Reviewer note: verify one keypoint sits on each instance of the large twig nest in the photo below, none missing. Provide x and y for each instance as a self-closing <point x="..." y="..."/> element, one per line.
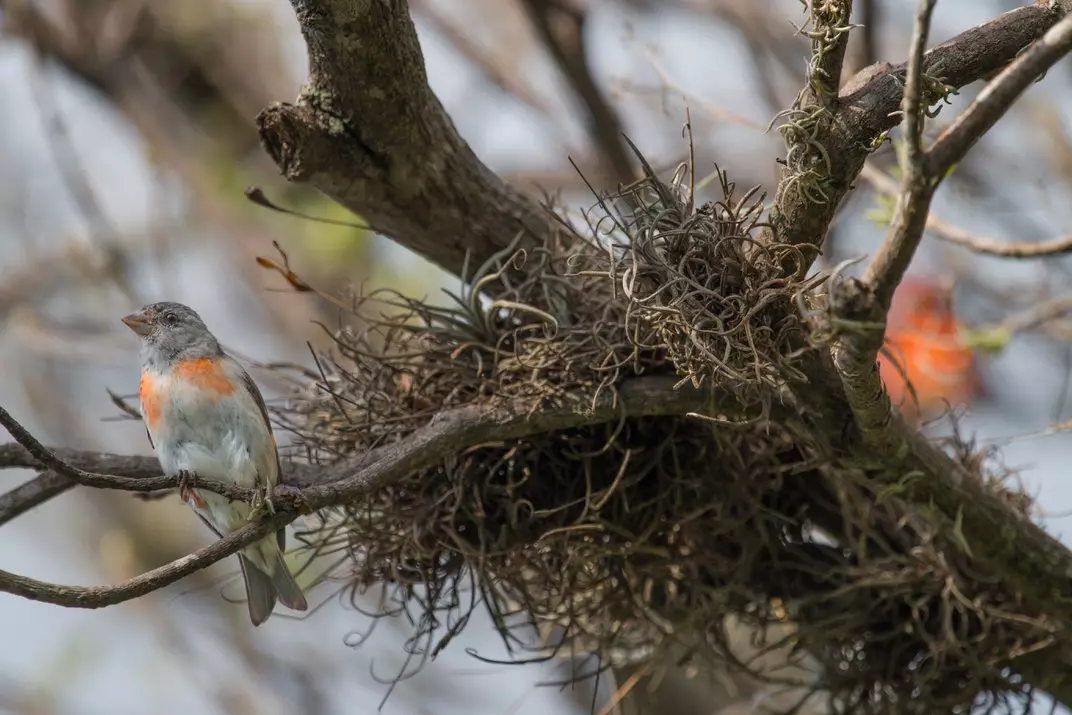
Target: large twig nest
<point x="632" y="536"/>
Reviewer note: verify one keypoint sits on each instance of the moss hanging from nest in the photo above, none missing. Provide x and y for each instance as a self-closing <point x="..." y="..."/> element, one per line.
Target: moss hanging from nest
<point x="641" y="534"/>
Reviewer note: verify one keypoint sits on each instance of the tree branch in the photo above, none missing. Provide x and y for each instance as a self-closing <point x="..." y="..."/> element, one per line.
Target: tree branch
<point x="448" y="433"/>
<point x="859" y="309"/>
<point x="996" y="98"/>
<point x="50" y="461"/>
<point x="917" y="184"/>
<point x="367" y="131"/>
<point x="945" y="231"/>
<point x="924" y="173"/>
<point x="829" y="41"/>
<point x="867" y="108"/>
<point x="101" y="596"/>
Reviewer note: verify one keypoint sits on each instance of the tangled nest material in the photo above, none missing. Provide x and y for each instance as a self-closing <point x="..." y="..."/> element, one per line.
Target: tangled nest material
<point x="630" y="538"/>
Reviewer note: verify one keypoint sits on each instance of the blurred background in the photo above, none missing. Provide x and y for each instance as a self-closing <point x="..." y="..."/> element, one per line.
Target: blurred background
<point x="126" y="142"/>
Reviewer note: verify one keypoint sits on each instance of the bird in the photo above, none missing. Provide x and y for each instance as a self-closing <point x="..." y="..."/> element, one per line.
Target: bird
<point x="205" y="417"/>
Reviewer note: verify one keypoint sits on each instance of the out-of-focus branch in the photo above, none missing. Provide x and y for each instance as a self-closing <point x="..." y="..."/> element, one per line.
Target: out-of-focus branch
<point x="981" y="244"/>
<point x="950" y="233"/>
<point x="448" y="433"/>
<point x="560" y="25"/>
<point x="832" y="145"/>
<point x="368" y="132"/>
<point x="487" y="62"/>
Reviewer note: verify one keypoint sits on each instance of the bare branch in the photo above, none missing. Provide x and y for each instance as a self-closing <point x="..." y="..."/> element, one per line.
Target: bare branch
<point x="560" y="24"/>
<point x="917" y="185"/>
<point x="448" y="433"/>
<point x="101" y="596"/>
<point x="503" y="77"/>
<point x="980" y="244"/>
<point x="367" y="131"/>
<point x="50" y="461"/>
<point x="950" y="233"/>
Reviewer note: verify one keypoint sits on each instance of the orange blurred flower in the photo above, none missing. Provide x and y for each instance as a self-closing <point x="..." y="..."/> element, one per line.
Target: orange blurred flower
<point x="922" y="339"/>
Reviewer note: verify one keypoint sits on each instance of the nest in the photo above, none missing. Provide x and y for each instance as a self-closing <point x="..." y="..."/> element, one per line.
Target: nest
<point x="631" y="538"/>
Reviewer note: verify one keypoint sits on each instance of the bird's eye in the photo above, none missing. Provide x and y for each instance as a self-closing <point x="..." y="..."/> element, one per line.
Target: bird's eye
<point x="170" y="319"/>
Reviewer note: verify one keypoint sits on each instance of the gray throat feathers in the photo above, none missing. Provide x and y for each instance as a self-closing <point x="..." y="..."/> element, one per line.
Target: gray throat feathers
<point x="159" y="356"/>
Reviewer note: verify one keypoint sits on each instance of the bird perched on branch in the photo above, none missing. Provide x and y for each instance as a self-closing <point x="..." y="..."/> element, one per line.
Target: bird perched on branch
<point x="205" y="417"/>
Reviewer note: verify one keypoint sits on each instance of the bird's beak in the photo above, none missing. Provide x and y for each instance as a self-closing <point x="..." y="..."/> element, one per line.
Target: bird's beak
<point x="138" y="322"/>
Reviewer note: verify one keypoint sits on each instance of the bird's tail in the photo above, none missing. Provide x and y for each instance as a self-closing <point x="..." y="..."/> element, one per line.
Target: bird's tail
<point x="263" y="589"/>
<point x="260" y="593"/>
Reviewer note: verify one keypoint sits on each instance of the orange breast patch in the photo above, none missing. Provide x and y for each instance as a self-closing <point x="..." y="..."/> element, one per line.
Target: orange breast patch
<point x="206" y="374"/>
<point x="150" y="400"/>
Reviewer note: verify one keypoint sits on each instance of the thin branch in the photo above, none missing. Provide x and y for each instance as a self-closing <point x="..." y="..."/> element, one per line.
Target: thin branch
<point x="950" y="233"/>
<point x="448" y="433"/>
<point x="50" y="461"/>
<point x="981" y="244"/>
<point x="870" y="19"/>
<point x="101" y="596"/>
<point x="887" y="269"/>
<point x="829" y="40"/>
<point x="913" y="96"/>
<point x="507" y="79"/>
<point x="1038" y="316"/>
<point x="560" y="25"/>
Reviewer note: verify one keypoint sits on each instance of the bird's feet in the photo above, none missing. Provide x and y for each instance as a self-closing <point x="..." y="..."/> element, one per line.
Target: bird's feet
<point x="187" y="482"/>
<point x="261" y="503"/>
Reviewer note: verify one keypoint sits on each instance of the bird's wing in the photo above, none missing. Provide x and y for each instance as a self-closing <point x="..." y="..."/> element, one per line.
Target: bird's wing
<point x="251" y="388"/>
<point x="236" y="372"/>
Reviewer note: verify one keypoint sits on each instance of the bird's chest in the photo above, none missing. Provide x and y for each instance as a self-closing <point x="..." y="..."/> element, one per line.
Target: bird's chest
<point x="194" y="428"/>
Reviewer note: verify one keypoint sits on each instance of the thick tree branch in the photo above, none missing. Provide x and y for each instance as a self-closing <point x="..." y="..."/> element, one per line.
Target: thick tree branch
<point x="867" y="108"/>
<point x="367" y="131"/>
<point x="996" y="98"/>
<point x="448" y="433"/>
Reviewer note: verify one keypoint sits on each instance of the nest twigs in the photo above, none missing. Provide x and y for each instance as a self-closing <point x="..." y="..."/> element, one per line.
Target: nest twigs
<point x="639" y="536"/>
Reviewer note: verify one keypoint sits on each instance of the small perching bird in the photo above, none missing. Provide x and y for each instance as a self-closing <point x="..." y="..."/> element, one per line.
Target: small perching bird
<point x="206" y="418"/>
